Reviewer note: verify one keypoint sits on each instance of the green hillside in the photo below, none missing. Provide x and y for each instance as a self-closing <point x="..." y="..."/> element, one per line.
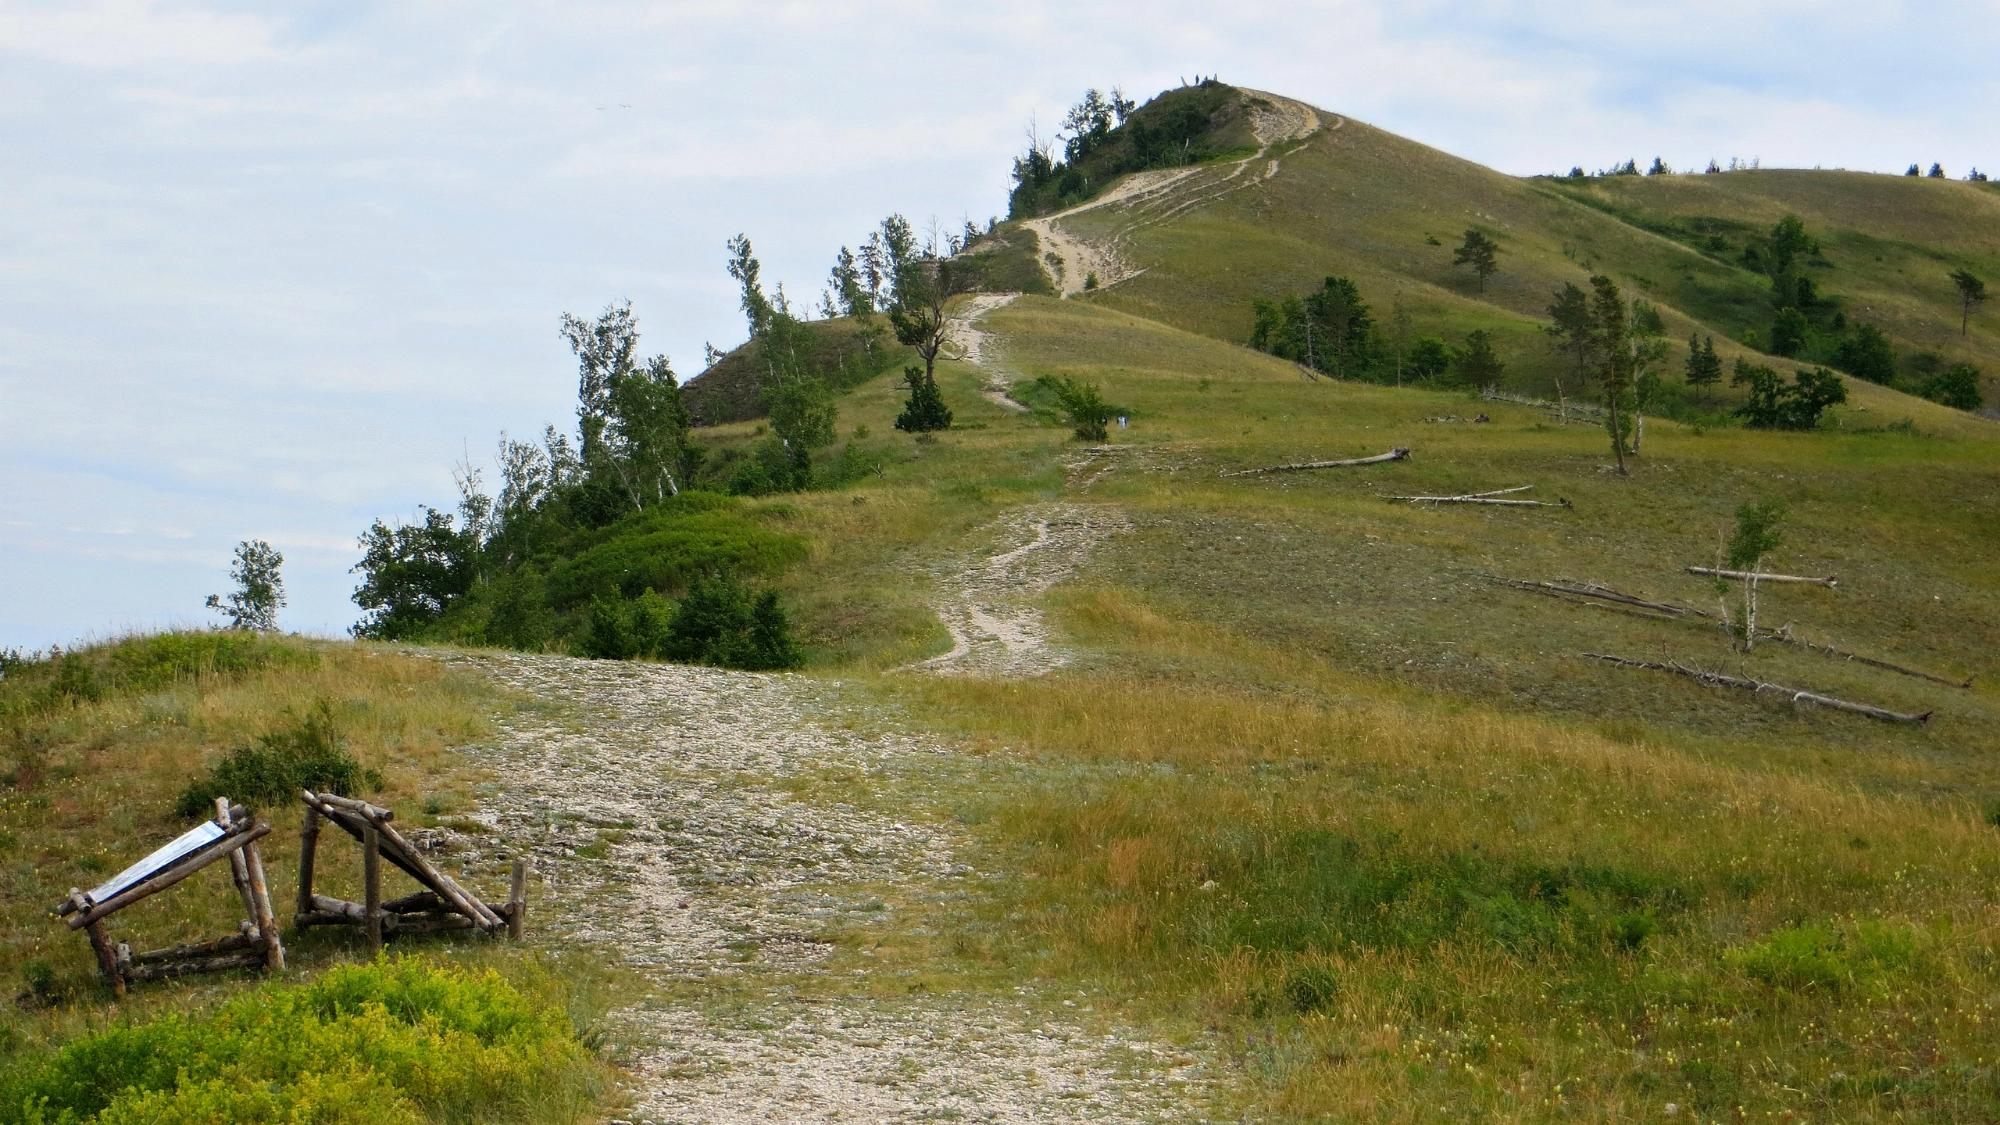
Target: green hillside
<point x="1387" y="212"/>
<point x="1319" y="782"/>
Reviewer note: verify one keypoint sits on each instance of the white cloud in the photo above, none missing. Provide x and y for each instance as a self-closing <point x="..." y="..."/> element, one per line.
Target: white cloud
<point x="115" y="34"/>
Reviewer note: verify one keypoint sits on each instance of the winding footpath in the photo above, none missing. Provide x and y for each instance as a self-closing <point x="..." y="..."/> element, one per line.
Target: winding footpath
<point x="713" y="833"/>
<point x="1148" y="198"/>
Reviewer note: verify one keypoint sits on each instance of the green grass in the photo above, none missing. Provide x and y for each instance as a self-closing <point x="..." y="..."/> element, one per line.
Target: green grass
<point x="394" y="1041"/>
<point x="1319" y="786"/>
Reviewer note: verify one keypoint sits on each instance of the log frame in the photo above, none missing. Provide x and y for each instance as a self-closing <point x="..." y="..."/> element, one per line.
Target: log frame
<point x="256" y="943"/>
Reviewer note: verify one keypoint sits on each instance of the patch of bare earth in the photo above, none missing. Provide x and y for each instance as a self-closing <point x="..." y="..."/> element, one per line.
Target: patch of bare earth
<point x="1145" y="199"/>
<point x="974" y="345"/>
<point x="672" y="815"/>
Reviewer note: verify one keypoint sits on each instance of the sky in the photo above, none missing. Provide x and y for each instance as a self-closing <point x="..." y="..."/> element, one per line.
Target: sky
<point x="272" y="271"/>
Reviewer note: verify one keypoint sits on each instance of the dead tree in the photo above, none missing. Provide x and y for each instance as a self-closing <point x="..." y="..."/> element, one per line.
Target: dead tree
<point x="1829" y="581"/>
<point x="231" y="836"/>
<point x="1797" y="695"/>
<point x="1397" y="454"/>
<point x="1486" y="498"/>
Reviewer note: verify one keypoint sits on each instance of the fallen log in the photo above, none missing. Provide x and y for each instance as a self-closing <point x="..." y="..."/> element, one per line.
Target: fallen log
<point x="162" y="970"/>
<point x="1597" y="593"/>
<point x="1397" y="454"/>
<point x="1485" y="498"/>
<point x="1798" y="695"/>
<point x="1787" y="637"/>
<point x="1667" y="611"/>
<point x="232" y="943"/>
<point x="1829" y="581"/>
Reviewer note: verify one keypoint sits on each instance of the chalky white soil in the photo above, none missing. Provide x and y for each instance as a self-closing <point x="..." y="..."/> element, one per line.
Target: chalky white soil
<point x="662" y="805"/>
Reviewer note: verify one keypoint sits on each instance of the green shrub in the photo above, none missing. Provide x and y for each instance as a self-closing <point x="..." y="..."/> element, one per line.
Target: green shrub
<point x="307" y="754"/>
<point x="666" y="549"/>
<point x="607" y="632"/>
<point x="1311" y="989"/>
<point x="1817" y="957"/>
<point x="721" y="622"/>
<point x="398" y="1041"/>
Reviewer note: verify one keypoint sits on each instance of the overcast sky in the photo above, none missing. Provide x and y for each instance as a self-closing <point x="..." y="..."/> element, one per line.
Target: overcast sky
<point x="268" y="272"/>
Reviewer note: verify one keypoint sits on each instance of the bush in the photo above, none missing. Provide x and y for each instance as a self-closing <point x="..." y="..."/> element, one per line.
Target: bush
<point x="720" y="622"/>
<point x="607" y="635"/>
<point x="1083" y="403"/>
<point x="1956" y="386"/>
<point x="1311" y="989"/>
<point x="395" y="1041"/>
<point x="667" y="548"/>
<point x="308" y="754"/>
<point x="925" y="410"/>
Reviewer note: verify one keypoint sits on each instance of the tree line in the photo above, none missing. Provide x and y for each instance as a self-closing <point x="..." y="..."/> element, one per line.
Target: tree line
<point x="1104" y="136"/>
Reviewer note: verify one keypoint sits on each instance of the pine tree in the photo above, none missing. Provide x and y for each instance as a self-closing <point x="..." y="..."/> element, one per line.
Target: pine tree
<point x="925" y="411"/>
<point x="1704" y="370"/>
<point x="1937" y="171"/>
<point x="1476" y="364"/>
<point x="1479" y="252"/>
<point x="1971" y="293"/>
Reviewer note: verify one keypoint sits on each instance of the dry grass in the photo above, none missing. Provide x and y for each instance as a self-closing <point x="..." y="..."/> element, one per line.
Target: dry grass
<point x="94" y="785"/>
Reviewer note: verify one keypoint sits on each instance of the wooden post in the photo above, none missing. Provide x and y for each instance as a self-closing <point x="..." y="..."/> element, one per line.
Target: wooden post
<point x="517" y="900"/>
<point x="107" y="958"/>
<point x="239" y="869"/>
<point x="267" y="919"/>
<point x="371" y="877"/>
<point x="308" y="849"/>
<point x="100" y="944"/>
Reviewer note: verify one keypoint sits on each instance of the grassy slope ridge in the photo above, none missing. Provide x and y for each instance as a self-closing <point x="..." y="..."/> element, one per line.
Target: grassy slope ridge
<point x="1318" y="786"/>
<point x="1362" y="202"/>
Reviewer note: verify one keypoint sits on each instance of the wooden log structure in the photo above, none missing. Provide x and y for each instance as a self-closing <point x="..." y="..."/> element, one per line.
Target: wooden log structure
<point x="1798" y="695"/>
<point x="232" y="840"/>
<point x="441" y="904"/>
<point x="1830" y="581"/>
<point x="1397" y="454"/>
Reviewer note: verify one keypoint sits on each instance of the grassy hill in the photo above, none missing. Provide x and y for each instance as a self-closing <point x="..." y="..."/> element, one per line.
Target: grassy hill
<point x="1321" y="785"/>
<point x="1369" y="829"/>
<point x="1388" y="212"/>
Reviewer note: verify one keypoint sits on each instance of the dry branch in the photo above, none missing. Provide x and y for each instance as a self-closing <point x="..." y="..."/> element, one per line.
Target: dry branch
<point x="1397" y="454"/>
<point x="1716" y="572"/>
<point x="1486" y="498"/>
<point x="1798" y="695"/>
<point x="1594" y="592"/>
<point x="1645" y="610"/>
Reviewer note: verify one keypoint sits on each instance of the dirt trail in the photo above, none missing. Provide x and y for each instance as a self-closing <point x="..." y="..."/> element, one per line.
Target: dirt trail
<point x="664" y="807"/>
<point x="993" y="606"/>
<point x="975" y="346"/>
<point x="1155" y="196"/>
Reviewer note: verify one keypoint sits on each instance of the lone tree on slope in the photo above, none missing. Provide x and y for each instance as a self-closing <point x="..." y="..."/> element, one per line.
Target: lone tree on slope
<point x="1479" y="252"/>
<point x="1971" y="292"/>
<point x="260" y="591"/>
